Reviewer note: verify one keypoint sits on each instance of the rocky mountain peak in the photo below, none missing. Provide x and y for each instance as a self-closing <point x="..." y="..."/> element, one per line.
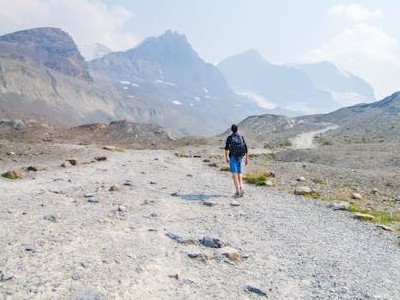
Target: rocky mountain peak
<point x="47" y="46"/>
<point x="169" y="47"/>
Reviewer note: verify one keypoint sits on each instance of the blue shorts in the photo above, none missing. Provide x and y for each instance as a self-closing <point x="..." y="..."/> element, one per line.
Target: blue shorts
<point x="235" y="164"/>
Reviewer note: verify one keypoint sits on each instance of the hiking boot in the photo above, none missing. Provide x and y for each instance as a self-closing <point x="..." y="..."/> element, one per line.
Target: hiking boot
<point x="241" y="192"/>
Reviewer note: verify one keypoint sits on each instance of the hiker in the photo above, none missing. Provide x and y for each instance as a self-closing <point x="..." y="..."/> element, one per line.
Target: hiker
<point x="235" y="150"/>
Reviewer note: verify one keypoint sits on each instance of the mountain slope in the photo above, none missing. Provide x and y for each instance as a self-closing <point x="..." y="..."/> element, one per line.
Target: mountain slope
<point x="369" y="122"/>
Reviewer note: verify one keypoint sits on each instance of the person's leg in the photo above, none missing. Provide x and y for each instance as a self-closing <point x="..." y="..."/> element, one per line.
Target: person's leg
<point x="240" y="180"/>
<point x="233" y="164"/>
<point x="240" y="177"/>
<point x="235" y="177"/>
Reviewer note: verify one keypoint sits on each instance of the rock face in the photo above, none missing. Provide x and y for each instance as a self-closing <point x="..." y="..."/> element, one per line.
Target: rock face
<point x="49" y="47"/>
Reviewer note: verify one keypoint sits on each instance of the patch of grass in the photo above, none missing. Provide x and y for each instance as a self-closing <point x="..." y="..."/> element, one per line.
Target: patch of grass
<point x="312" y="195"/>
<point x="318" y="181"/>
<point x="324" y="142"/>
<point x="257" y="177"/>
<point x="381" y="217"/>
<point x="285" y="143"/>
<point x="224" y="169"/>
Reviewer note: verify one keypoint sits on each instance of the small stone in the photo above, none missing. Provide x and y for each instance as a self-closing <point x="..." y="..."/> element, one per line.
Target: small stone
<point x="128" y="183"/>
<point x="363" y="217"/>
<point x="301" y="179"/>
<point x="50" y="218"/>
<point x="13" y="174"/>
<point x="66" y="164"/>
<point x="303" y="190"/>
<point x="115" y="188"/>
<point x="100" y="158"/>
<point x="194" y="254"/>
<point x="340" y="205"/>
<point x="235" y="204"/>
<point x="76" y="276"/>
<point x="36" y="168"/>
<point x="121" y="208"/>
<point x="384" y="227"/>
<point x="30" y="248"/>
<point x="231" y="253"/>
<point x="209" y="203"/>
<point x="252" y="289"/>
<point x="356" y="196"/>
<point x="93" y="200"/>
<point x="211" y="242"/>
<point x="269" y="183"/>
<point x="5" y="276"/>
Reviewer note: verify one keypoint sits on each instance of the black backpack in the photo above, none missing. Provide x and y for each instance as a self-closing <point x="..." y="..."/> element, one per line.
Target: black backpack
<point x="238" y="146"/>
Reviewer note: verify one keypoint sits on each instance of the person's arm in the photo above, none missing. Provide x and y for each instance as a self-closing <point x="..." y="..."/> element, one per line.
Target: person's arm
<point x="226" y="156"/>
<point x="226" y="152"/>
<point x="246" y="156"/>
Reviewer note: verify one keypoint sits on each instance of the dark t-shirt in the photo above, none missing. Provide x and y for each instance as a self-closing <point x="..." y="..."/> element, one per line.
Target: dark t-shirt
<point x="228" y="144"/>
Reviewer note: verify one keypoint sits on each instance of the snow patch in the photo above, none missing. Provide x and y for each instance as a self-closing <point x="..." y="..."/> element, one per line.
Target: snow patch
<point x="260" y="100"/>
<point x="176" y="102"/>
<point x="166" y="83"/>
<point x="124" y="82"/>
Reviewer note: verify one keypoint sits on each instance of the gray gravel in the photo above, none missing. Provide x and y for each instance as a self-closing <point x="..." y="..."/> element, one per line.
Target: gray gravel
<point x="57" y="244"/>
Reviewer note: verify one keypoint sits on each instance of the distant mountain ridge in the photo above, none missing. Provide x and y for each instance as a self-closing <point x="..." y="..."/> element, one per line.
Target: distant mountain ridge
<point x="301" y="89"/>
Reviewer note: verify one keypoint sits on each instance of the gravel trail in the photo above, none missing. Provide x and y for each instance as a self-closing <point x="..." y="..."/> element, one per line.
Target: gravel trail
<point x="65" y="235"/>
<point x="306" y="140"/>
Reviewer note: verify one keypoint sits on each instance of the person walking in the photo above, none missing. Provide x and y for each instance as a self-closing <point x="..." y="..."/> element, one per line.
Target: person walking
<point x="235" y="150"/>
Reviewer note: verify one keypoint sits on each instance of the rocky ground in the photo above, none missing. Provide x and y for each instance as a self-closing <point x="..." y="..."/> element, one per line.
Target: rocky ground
<point x="151" y="224"/>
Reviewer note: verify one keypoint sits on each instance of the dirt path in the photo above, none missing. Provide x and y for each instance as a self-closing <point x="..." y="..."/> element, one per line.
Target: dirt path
<point x="306" y="140"/>
<point x="65" y="235"/>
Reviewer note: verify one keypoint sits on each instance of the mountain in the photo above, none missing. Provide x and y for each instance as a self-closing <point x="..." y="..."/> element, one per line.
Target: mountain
<point x="44" y="76"/>
<point x="182" y="91"/>
<point x="346" y="89"/>
<point x="300" y="89"/>
<point x="49" y="47"/>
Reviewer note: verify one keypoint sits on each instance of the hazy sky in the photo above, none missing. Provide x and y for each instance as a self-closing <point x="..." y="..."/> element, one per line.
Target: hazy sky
<point x="361" y="37"/>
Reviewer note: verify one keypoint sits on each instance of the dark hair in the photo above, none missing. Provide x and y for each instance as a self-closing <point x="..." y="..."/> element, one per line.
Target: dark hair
<point x="234" y="128"/>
